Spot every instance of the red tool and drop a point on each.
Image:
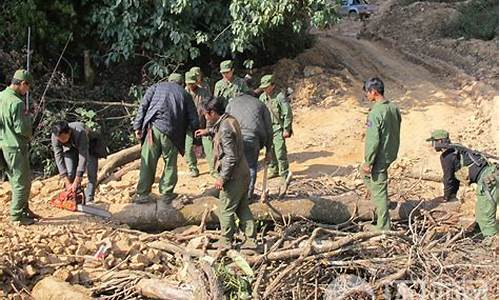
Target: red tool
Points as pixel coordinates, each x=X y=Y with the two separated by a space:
x=75 y=201
x=67 y=200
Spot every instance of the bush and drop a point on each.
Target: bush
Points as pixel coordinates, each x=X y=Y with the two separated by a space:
x=476 y=19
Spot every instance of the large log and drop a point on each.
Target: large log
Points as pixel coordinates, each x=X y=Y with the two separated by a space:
x=117 y=160
x=330 y=210
x=51 y=288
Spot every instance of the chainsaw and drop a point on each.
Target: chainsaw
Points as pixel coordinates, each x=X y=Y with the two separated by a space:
x=75 y=201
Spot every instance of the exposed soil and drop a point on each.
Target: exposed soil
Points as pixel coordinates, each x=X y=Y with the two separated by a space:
x=329 y=126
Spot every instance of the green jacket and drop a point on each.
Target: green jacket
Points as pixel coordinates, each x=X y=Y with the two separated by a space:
x=15 y=125
x=382 y=134
x=280 y=109
x=229 y=90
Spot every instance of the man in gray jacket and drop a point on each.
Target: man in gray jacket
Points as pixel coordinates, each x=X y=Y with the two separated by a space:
x=257 y=130
x=76 y=150
x=165 y=114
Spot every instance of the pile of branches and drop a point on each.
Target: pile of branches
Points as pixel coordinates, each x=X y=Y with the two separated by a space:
x=427 y=257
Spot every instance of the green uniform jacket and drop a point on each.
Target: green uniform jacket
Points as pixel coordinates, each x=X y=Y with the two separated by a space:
x=382 y=134
x=281 y=111
x=229 y=90
x=15 y=125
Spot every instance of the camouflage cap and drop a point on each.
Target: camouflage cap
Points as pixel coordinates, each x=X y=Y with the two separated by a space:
x=226 y=66
x=438 y=134
x=266 y=81
x=195 y=70
x=23 y=75
x=176 y=77
x=191 y=77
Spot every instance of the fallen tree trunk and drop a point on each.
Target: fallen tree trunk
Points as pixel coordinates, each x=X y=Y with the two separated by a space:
x=117 y=160
x=427 y=177
x=51 y=288
x=331 y=210
x=120 y=173
x=160 y=289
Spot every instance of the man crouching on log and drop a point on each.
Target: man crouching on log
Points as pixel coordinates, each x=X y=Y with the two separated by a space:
x=233 y=175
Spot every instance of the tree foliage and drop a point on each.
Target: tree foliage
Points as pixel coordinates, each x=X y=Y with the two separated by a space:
x=155 y=36
x=172 y=32
x=475 y=19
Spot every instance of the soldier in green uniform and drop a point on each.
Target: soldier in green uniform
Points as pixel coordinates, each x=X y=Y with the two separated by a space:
x=201 y=81
x=15 y=134
x=460 y=164
x=230 y=85
x=198 y=94
x=381 y=148
x=282 y=117
x=233 y=174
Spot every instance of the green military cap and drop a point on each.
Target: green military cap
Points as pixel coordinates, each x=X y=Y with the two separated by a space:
x=226 y=66
x=438 y=134
x=266 y=81
x=176 y=77
x=195 y=70
x=191 y=77
x=23 y=75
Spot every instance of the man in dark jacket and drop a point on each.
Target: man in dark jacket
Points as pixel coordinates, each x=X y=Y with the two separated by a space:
x=461 y=164
x=257 y=129
x=233 y=175
x=76 y=150
x=164 y=115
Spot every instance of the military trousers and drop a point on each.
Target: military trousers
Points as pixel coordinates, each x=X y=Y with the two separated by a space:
x=233 y=205
x=190 y=156
x=19 y=174
x=158 y=145
x=487 y=202
x=376 y=184
x=279 y=160
x=71 y=162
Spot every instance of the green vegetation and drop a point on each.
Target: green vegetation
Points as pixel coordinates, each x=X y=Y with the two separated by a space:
x=476 y=19
x=134 y=43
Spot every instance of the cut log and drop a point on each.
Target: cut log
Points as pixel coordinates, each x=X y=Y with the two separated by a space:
x=51 y=288
x=117 y=160
x=120 y=173
x=427 y=176
x=160 y=289
x=330 y=210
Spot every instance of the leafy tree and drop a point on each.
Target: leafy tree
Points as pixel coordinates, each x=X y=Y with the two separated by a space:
x=169 y=33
